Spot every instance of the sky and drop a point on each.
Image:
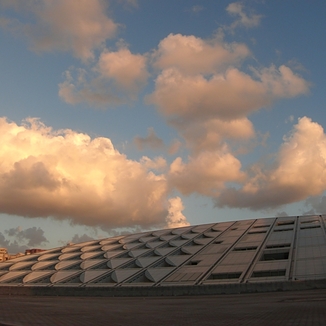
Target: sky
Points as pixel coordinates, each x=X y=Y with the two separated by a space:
x=121 y=116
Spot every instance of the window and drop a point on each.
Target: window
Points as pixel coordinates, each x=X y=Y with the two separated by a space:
x=257 y=231
x=275 y=255
x=225 y=276
x=277 y=272
x=275 y=246
x=260 y=226
x=283 y=230
x=245 y=248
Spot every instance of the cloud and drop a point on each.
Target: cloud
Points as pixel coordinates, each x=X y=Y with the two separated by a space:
x=231 y=95
x=81 y=238
x=211 y=135
x=193 y=55
x=76 y=88
x=176 y=218
x=317 y=204
x=196 y=9
x=68 y=175
x=22 y=239
x=116 y=78
x=13 y=247
x=298 y=172
x=158 y=164
x=150 y=141
x=34 y=236
x=243 y=19
x=203 y=93
x=79 y=27
x=206 y=173
x=128 y=70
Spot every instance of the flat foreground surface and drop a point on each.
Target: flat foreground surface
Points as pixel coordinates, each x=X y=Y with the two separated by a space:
x=276 y=308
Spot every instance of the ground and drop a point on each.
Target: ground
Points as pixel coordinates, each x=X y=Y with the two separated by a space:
x=277 y=308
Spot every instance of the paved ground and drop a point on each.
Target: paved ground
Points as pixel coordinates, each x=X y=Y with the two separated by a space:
x=277 y=308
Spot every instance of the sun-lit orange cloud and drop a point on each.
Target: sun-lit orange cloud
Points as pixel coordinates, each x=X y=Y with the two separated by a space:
x=203 y=93
x=175 y=218
x=206 y=173
x=231 y=95
x=68 y=175
x=67 y=25
x=299 y=172
x=126 y=69
x=193 y=55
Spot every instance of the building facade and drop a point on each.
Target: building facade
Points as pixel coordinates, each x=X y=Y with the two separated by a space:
x=247 y=251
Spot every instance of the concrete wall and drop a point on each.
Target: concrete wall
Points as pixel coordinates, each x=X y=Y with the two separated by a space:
x=143 y=291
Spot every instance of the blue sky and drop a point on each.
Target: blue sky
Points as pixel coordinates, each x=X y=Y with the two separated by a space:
x=121 y=116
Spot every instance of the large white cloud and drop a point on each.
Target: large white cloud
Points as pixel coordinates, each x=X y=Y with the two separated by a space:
x=298 y=172
x=68 y=175
x=67 y=25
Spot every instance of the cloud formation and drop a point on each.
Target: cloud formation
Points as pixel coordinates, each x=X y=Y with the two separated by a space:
x=33 y=236
x=150 y=141
x=192 y=55
x=68 y=175
x=247 y=20
x=18 y=240
x=298 y=172
x=229 y=95
x=206 y=173
x=79 y=27
x=175 y=217
x=117 y=78
x=203 y=93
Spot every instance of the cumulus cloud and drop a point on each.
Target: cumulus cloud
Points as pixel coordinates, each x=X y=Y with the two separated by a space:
x=231 y=95
x=176 y=218
x=193 y=55
x=126 y=69
x=206 y=173
x=66 y=25
x=68 y=175
x=248 y=20
x=203 y=93
x=298 y=172
x=117 y=77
